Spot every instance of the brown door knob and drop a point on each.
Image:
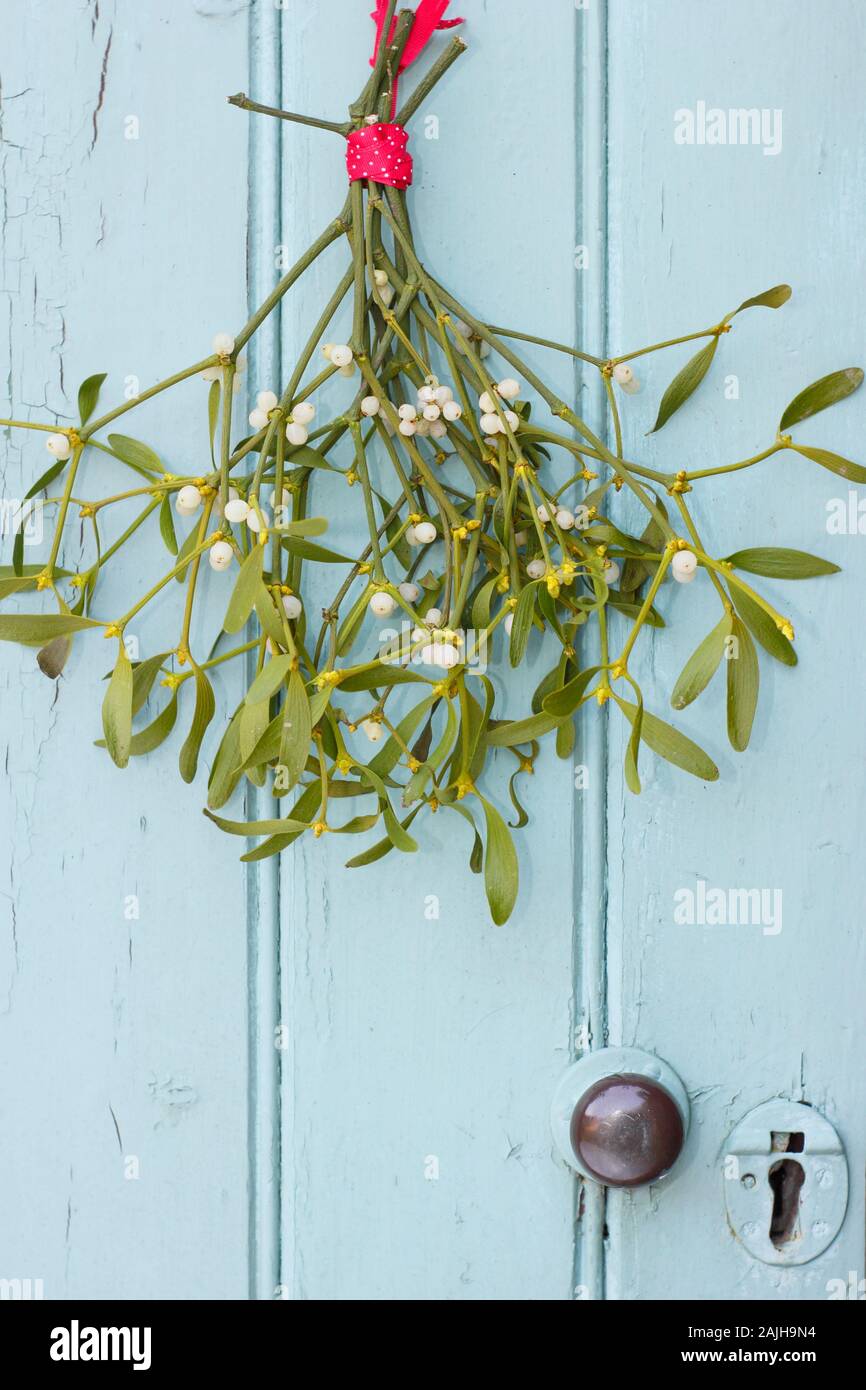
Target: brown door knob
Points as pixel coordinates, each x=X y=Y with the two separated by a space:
x=627 y=1130
x=620 y=1116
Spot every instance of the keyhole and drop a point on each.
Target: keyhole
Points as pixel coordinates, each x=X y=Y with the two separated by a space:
x=786 y=1178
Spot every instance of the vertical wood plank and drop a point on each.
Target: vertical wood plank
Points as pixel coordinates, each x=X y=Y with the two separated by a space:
x=743 y=1016
x=420 y=1042
x=263 y=907
x=119 y=1035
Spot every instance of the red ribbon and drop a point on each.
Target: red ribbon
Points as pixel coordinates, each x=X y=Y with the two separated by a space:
x=428 y=18
x=379 y=152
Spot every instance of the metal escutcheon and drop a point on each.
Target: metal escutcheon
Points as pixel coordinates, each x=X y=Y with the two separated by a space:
x=786 y=1182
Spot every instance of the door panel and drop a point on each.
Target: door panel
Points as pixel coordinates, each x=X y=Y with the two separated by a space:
x=123 y=946
x=431 y=1044
x=395 y=1143
x=742 y=1014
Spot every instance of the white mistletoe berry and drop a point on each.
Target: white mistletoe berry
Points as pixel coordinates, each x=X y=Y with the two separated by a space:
x=188 y=500
x=58 y=445
x=267 y=400
x=253 y=521
x=444 y=394
x=486 y=403
x=407 y=412
x=380 y=278
x=452 y=410
x=611 y=571
x=408 y=428
x=410 y=592
x=535 y=569
x=684 y=566
x=342 y=355
x=465 y=332
x=370 y=405
x=303 y=412
x=431 y=412
x=512 y=418
x=440 y=654
x=427 y=395
x=509 y=623
x=438 y=429
x=434 y=617
x=224 y=344
x=296 y=434
x=509 y=389
x=373 y=730
x=258 y=418
x=218 y=501
x=626 y=379
x=425 y=533
x=292 y=606
x=490 y=424
x=542 y=513
x=220 y=555
x=237 y=510
x=410 y=535
x=382 y=605
x=564 y=519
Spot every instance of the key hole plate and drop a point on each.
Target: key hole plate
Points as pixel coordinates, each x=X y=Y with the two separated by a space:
x=785 y=1209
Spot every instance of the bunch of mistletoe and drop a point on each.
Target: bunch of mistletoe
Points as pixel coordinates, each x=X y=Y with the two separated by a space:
x=471 y=516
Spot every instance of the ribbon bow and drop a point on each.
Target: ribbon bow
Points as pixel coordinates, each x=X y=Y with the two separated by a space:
x=379 y=151
x=428 y=18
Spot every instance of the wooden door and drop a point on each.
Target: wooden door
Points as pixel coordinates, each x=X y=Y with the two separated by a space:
x=286 y=1080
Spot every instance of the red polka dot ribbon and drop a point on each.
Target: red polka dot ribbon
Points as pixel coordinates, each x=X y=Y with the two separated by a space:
x=428 y=18
x=379 y=152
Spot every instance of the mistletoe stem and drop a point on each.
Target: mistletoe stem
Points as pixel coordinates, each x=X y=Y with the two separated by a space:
x=242 y=101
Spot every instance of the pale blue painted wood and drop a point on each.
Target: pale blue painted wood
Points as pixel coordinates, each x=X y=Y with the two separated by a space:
x=117 y=1037
x=415 y=1038
x=409 y=1039
x=692 y=231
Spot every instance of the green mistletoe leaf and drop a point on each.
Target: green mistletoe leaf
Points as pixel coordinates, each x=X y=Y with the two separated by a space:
x=702 y=665
x=88 y=395
x=33 y=628
x=821 y=394
x=117 y=709
x=773 y=562
x=761 y=626
x=501 y=872
x=770 y=299
x=835 y=463
x=205 y=708
x=671 y=745
x=246 y=588
x=685 y=383
x=743 y=682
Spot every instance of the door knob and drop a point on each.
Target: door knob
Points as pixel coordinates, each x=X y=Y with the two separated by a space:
x=620 y=1116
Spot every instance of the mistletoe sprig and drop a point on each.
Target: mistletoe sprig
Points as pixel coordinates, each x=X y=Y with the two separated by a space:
x=471 y=523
